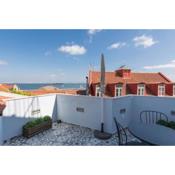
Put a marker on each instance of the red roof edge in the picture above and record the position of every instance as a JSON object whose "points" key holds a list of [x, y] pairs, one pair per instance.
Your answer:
{"points": [[164, 77]]}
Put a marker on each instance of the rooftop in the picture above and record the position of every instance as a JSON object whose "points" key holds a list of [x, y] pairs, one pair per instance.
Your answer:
{"points": [[65, 134], [81, 115], [112, 77]]}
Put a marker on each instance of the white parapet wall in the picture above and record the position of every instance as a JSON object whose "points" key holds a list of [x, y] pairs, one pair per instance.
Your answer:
{"points": [[123, 110], [34, 106], [85, 111], [161, 104], [11, 127], [153, 133], [20, 111], [1, 132]]}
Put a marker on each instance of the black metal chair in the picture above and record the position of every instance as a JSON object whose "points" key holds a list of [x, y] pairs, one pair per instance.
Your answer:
{"points": [[123, 138], [152, 117]]}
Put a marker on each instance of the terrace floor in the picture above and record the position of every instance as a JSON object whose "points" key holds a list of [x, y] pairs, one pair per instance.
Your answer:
{"points": [[65, 134]]}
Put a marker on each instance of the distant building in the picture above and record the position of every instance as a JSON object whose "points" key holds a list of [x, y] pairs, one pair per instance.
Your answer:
{"points": [[13, 87], [57, 91], [124, 82]]}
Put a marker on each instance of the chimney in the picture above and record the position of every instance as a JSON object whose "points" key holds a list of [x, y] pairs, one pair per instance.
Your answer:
{"points": [[123, 72]]}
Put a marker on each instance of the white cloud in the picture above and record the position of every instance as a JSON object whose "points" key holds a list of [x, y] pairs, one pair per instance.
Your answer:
{"points": [[72, 49], [117, 45], [145, 41], [2, 62], [93, 31], [161, 66]]}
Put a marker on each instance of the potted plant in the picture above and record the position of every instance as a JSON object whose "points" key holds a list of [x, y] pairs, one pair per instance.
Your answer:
{"points": [[170, 124], [36, 126]]}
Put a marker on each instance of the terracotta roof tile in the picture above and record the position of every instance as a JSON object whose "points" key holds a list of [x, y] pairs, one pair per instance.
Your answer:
{"points": [[64, 91], [3, 88], [111, 78]]}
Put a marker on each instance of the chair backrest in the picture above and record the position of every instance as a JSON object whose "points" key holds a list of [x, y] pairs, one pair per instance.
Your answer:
{"points": [[151, 117], [122, 136]]}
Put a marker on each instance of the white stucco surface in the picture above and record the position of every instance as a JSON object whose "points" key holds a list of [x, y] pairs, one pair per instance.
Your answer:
{"points": [[87, 111]]}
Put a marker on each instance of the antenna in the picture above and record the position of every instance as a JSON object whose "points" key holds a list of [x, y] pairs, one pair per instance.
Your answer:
{"points": [[122, 66]]}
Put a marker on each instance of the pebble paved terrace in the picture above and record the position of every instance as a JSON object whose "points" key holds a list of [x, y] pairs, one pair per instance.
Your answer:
{"points": [[63, 134]]}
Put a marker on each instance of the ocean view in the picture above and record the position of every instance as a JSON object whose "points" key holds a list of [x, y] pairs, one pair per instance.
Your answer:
{"points": [[32, 86]]}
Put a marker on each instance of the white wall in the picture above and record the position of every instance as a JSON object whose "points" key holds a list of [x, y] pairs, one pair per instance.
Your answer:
{"points": [[1, 131], [153, 133], [66, 108], [63, 107], [161, 104], [19, 111], [12, 126], [23, 107], [91, 117], [123, 103]]}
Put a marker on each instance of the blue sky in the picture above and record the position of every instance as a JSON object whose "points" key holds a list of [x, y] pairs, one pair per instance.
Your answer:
{"points": [[65, 55]]}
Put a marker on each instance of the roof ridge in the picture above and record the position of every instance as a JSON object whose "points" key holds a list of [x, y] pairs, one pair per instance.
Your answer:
{"points": [[145, 72], [131, 72], [164, 77]]}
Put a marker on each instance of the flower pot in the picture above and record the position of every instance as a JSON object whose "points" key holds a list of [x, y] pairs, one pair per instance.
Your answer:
{"points": [[29, 132]]}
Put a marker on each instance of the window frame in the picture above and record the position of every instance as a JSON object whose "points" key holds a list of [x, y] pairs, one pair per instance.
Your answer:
{"points": [[141, 89], [97, 91], [120, 88], [173, 89], [160, 92]]}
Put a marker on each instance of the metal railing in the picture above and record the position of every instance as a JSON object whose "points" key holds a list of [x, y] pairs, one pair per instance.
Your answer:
{"points": [[152, 117]]}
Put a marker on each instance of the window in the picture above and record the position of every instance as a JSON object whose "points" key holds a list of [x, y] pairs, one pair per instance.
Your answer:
{"points": [[97, 91], [118, 90], [174, 90], [161, 90], [141, 89]]}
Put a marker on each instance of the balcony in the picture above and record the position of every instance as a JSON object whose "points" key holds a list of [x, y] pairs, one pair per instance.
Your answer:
{"points": [[81, 115]]}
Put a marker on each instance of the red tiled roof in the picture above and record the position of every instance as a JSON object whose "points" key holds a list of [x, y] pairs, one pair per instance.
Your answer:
{"points": [[3, 88], [8, 86], [42, 91], [111, 77]]}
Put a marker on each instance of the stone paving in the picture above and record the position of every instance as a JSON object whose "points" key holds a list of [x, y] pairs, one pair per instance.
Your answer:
{"points": [[63, 134]]}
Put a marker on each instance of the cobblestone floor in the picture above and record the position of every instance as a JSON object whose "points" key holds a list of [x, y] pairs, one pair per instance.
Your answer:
{"points": [[63, 134]]}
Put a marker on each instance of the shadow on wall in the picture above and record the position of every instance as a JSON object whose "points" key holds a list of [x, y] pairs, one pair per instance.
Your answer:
{"points": [[55, 112], [12, 126], [32, 107]]}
